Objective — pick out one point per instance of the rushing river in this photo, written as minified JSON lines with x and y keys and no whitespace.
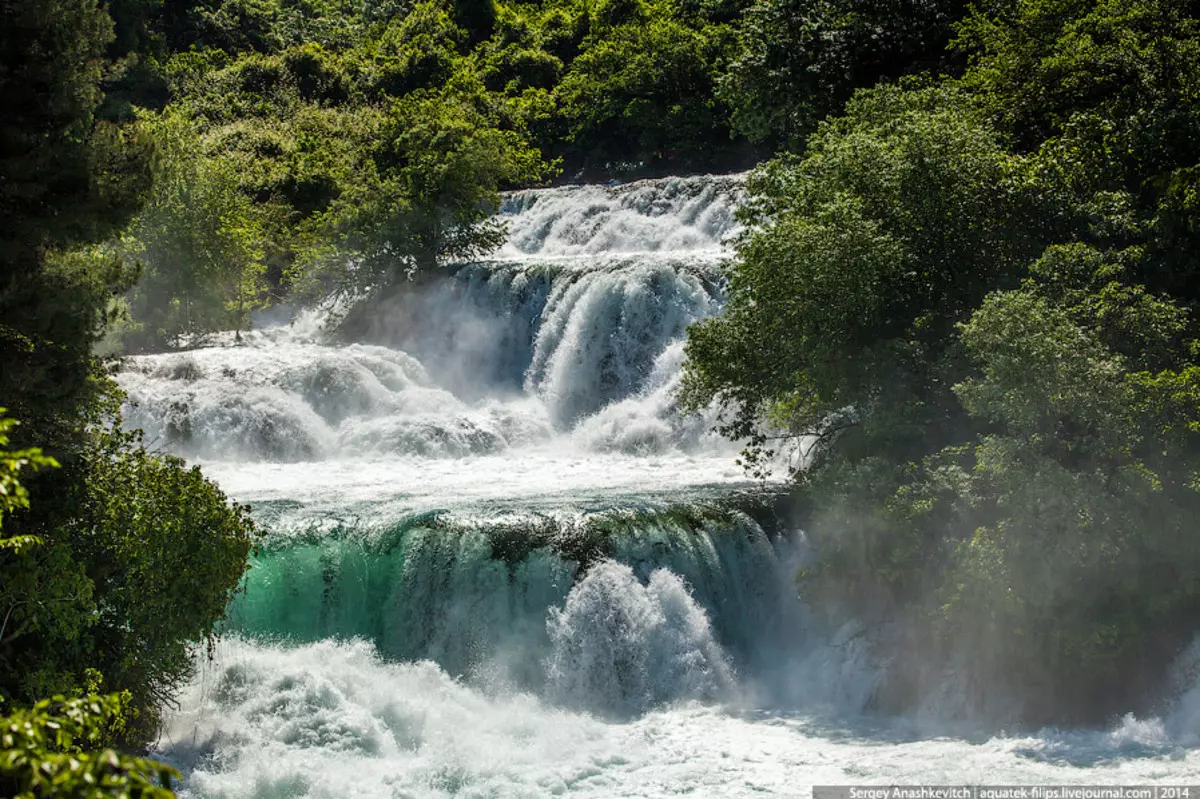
{"x":501,"y":564}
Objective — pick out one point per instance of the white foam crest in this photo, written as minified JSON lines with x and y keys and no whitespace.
{"x":588,"y":310}
{"x":619,"y":647}
{"x":449,"y":429}
{"x":333,"y":720}
{"x":649,"y":422}
{"x":288,"y":401}
{"x":578,"y":341}
{"x":545,"y":476}
{"x":666,"y":215}
{"x":601,"y":334}
{"x":746,"y":583}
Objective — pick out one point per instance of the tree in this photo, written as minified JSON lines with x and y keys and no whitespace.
{"x":800,"y":60}
{"x":642,"y":93}
{"x":968,"y":299}
{"x":859,"y":261}
{"x":54,"y":748}
{"x":65,"y":180}
{"x":417,"y":51}
{"x":1108,"y":92}
{"x":427,"y":192}
{"x":200,"y":245}
{"x":130,"y":569}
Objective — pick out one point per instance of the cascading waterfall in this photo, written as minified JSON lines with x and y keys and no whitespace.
{"x":473,"y":593}
{"x":500,"y":561}
{"x":621,"y":647}
{"x":675,"y":217}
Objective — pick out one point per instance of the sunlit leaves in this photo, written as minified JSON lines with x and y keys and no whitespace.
{"x":200,"y":243}
{"x":57,"y":748}
{"x":13,"y":495}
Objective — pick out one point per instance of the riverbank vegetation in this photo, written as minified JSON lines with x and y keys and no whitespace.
{"x":978,"y":296}
{"x":114,"y":561}
{"x":331,"y":148}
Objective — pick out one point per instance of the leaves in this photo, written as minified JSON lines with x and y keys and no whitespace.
{"x":993,"y":276}
{"x":56,"y":749}
{"x":13,"y":495}
{"x":200,"y":243}
{"x":801,"y":60}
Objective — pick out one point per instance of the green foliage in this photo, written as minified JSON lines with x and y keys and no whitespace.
{"x":1107,"y":92}
{"x":283,"y":166}
{"x":800,"y":60}
{"x":1038,"y":65}
{"x":476,"y":17}
{"x":644,"y":90}
{"x":975,"y":302}
{"x":435,"y":167}
{"x":138,"y":563}
{"x":13,"y":495}
{"x":173,"y":549}
{"x":230,"y":25}
{"x":58,"y":748}
{"x":283,"y":102}
{"x":299,"y":102}
{"x":416,"y":51}
{"x":63,"y":178}
{"x":199,"y":242}
{"x":855,"y":267}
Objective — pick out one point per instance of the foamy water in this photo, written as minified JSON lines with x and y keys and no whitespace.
{"x":334,"y":720}
{"x":501,"y":563}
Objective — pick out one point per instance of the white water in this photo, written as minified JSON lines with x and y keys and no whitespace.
{"x":502,"y":564}
{"x":333,"y":720}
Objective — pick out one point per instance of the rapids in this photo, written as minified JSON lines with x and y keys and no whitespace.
{"x":502,"y":563}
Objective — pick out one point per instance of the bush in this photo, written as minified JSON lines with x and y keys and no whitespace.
{"x":136,"y":561}
{"x":58,"y":748}
{"x":643,"y":91}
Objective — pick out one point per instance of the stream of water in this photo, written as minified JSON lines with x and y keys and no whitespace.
{"x":501,"y":563}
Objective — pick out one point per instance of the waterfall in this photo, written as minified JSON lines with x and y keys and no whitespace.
{"x":593,"y":289}
{"x":672,"y":216}
{"x":498,"y":479}
{"x":480,"y":594}
{"x":500,"y":561}
{"x":549,"y":371}
{"x":621,"y":647}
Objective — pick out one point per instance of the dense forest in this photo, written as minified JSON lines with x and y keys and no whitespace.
{"x":967,"y":286}
{"x":976,"y":296}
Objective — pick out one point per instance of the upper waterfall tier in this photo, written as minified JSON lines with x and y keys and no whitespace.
{"x":671,"y":215}
{"x":571,"y":337}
